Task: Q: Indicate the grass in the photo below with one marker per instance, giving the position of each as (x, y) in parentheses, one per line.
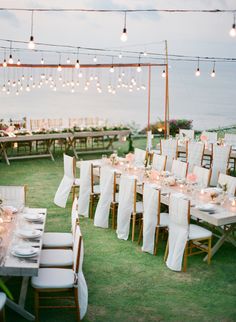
(124, 283)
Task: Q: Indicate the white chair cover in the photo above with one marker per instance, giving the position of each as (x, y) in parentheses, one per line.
(85, 188)
(101, 217)
(186, 134)
(13, 196)
(179, 169)
(194, 154)
(150, 211)
(229, 181)
(66, 184)
(178, 231)
(74, 214)
(230, 139)
(220, 161)
(139, 156)
(202, 175)
(149, 140)
(82, 285)
(211, 136)
(125, 207)
(169, 148)
(158, 162)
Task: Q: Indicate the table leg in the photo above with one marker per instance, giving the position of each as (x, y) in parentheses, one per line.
(225, 237)
(49, 144)
(4, 152)
(20, 307)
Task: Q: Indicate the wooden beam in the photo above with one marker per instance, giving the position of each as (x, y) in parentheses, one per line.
(149, 98)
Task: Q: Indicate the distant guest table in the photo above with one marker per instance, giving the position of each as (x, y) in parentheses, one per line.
(21, 266)
(69, 138)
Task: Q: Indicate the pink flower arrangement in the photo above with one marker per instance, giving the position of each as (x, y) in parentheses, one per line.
(129, 157)
(154, 174)
(191, 177)
(203, 138)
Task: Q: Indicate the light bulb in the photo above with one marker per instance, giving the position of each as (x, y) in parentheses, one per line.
(10, 60)
(143, 87)
(145, 54)
(213, 73)
(138, 88)
(60, 78)
(72, 90)
(23, 77)
(130, 90)
(59, 69)
(18, 62)
(72, 83)
(163, 73)
(77, 65)
(95, 59)
(8, 82)
(86, 88)
(4, 88)
(21, 88)
(54, 88)
(42, 76)
(124, 36)
(31, 44)
(77, 83)
(42, 61)
(8, 91)
(31, 77)
(197, 73)
(4, 64)
(112, 69)
(33, 85)
(139, 69)
(120, 55)
(233, 31)
(27, 88)
(17, 93)
(68, 60)
(123, 74)
(64, 84)
(18, 82)
(13, 84)
(91, 77)
(80, 74)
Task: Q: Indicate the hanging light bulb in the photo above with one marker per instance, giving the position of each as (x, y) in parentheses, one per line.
(4, 88)
(31, 44)
(68, 60)
(10, 60)
(55, 88)
(42, 76)
(64, 84)
(72, 90)
(85, 87)
(4, 64)
(13, 84)
(112, 69)
(33, 85)
(95, 59)
(124, 36)
(60, 78)
(77, 83)
(27, 88)
(23, 77)
(120, 55)
(80, 74)
(8, 91)
(145, 53)
(42, 61)
(213, 73)
(77, 65)
(197, 73)
(233, 29)
(31, 77)
(139, 69)
(59, 69)
(17, 93)
(163, 74)
(18, 62)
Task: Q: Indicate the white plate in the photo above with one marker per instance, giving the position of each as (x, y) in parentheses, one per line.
(24, 256)
(214, 189)
(24, 251)
(33, 217)
(207, 207)
(29, 233)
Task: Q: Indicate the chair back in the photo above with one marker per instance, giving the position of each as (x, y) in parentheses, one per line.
(169, 148)
(220, 161)
(159, 162)
(230, 139)
(189, 134)
(179, 169)
(139, 156)
(69, 166)
(77, 250)
(13, 196)
(85, 188)
(74, 215)
(211, 136)
(179, 210)
(229, 181)
(203, 176)
(194, 155)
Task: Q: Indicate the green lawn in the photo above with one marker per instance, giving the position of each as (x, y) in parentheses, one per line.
(124, 283)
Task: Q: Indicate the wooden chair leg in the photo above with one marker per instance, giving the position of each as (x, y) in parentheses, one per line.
(133, 226)
(113, 213)
(156, 241)
(140, 233)
(36, 305)
(91, 206)
(73, 193)
(209, 251)
(185, 258)
(77, 304)
(167, 250)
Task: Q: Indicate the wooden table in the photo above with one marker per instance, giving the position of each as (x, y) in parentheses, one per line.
(14, 266)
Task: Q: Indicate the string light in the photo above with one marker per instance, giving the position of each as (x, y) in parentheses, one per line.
(213, 73)
(18, 62)
(10, 60)
(139, 69)
(68, 60)
(31, 44)
(4, 64)
(233, 29)
(42, 61)
(163, 74)
(197, 73)
(95, 59)
(77, 64)
(124, 36)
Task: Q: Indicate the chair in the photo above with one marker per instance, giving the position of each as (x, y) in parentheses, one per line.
(229, 181)
(203, 176)
(67, 183)
(159, 162)
(220, 161)
(184, 237)
(62, 240)
(194, 154)
(128, 207)
(169, 148)
(139, 156)
(211, 137)
(61, 280)
(230, 139)
(179, 169)
(3, 299)
(189, 134)
(153, 220)
(13, 196)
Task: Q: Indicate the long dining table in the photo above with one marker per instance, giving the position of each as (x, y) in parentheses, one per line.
(25, 267)
(222, 219)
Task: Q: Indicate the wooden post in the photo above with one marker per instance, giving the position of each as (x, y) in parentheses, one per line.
(149, 97)
(166, 122)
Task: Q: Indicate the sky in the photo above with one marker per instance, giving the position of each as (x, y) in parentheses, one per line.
(208, 102)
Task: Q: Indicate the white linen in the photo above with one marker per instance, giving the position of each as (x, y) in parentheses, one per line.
(149, 140)
(229, 181)
(220, 161)
(230, 139)
(85, 188)
(211, 136)
(139, 156)
(186, 134)
(202, 175)
(13, 196)
(169, 148)
(66, 184)
(101, 217)
(150, 211)
(158, 162)
(125, 208)
(179, 169)
(195, 152)
(178, 231)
